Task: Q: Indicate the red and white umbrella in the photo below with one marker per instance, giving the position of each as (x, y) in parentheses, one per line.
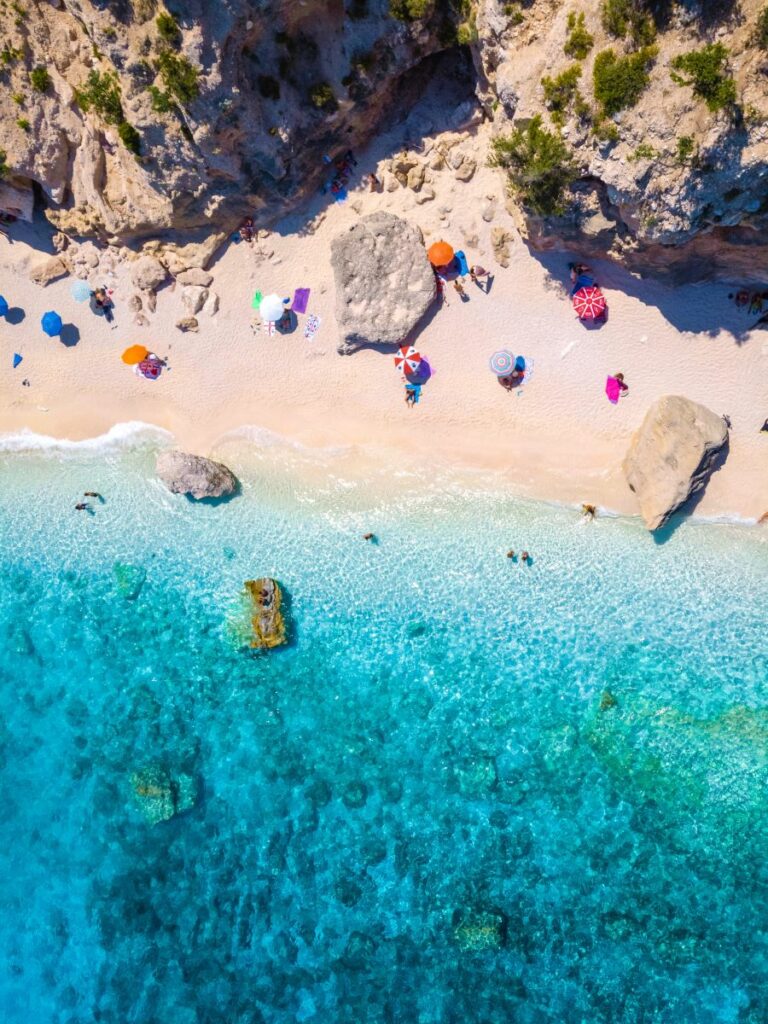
(407, 359)
(589, 302)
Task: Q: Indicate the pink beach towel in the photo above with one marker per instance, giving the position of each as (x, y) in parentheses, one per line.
(312, 327)
(300, 300)
(614, 389)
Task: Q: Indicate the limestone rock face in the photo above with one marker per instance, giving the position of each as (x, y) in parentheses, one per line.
(147, 273)
(183, 473)
(384, 283)
(671, 456)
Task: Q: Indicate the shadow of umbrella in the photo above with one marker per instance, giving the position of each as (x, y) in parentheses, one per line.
(420, 375)
(69, 335)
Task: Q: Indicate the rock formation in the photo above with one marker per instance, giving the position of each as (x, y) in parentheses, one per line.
(478, 931)
(671, 456)
(183, 473)
(160, 796)
(384, 283)
(265, 600)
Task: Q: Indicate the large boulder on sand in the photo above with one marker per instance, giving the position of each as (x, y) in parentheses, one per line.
(147, 273)
(183, 473)
(671, 456)
(384, 283)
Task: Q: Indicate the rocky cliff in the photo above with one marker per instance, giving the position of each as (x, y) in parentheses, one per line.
(132, 119)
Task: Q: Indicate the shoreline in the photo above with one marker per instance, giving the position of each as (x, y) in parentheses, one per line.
(367, 466)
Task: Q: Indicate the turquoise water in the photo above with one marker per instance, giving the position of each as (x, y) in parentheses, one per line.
(467, 791)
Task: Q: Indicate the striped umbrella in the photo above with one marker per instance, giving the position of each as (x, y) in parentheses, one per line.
(502, 363)
(407, 359)
(589, 303)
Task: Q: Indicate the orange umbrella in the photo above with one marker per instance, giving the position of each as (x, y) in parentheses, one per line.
(135, 354)
(440, 254)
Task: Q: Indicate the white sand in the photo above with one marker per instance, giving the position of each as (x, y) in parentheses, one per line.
(559, 438)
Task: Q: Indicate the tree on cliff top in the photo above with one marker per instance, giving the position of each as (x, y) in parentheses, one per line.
(540, 166)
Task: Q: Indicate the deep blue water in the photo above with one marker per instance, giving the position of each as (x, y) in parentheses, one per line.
(566, 764)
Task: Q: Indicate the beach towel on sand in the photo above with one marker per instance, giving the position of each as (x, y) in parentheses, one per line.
(300, 300)
(256, 300)
(312, 327)
(613, 390)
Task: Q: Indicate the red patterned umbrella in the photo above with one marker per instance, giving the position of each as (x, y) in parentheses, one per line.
(407, 359)
(589, 303)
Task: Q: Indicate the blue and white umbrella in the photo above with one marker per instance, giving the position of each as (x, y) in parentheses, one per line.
(51, 324)
(502, 363)
(80, 291)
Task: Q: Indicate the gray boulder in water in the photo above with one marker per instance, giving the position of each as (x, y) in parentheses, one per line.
(672, 455)
(384, 282)
(183, 473)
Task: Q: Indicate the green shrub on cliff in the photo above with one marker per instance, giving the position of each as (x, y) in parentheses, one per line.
(321, 95)
(620, 81)
(539, 164)
(560, 92)
(40, 79)
(706, 72)
(410, 10)
(761, 30)
(168, 28)
(101, 93)
(620, 17)
(3, 165)
(179, 76)
(579, 41)
(129, 137)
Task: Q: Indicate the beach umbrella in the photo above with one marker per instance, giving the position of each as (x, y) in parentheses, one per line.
(134, 354)
(3, 306)
(16, 359)
(51, 324)
(271, 308)
(588, 303)
(440, 254)
(80, 291)
(407, 359)
(502, 363)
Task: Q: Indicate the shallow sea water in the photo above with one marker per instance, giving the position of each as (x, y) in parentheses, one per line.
(467, 791)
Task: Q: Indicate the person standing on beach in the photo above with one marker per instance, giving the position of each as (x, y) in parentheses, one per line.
(459, 288)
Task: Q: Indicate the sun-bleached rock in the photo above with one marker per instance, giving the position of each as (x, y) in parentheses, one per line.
(193, 298)
(51, 270)
(196, 276)
(384, 283)
(184, 473)
(148, 273)
(671, 456)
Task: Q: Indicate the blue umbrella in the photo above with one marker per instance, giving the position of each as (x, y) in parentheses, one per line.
(502, 363)
(16, 359)
(3, 306)
(80, 291)
(51, 324)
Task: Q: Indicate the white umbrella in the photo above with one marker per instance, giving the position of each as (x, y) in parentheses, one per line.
(271, 308)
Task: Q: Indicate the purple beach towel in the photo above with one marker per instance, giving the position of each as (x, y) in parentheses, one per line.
(300, 300)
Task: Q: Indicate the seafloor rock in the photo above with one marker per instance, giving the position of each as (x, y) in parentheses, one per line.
(384, 283)
(129, 579)
(267, 621)
(183, 473)
(476, 932)
(161, 795)
(147, 273)
(671, 456)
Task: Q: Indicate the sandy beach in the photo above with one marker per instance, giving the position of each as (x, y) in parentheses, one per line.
(556, 438)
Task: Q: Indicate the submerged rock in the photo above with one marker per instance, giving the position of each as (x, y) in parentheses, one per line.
(671, 456)
(384, 283)
(183, 473)
(267, 621)
(160, 796)
(476, 932)
(129, 579)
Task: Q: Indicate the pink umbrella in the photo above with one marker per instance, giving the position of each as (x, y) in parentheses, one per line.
(589, 302)
(407, 359)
